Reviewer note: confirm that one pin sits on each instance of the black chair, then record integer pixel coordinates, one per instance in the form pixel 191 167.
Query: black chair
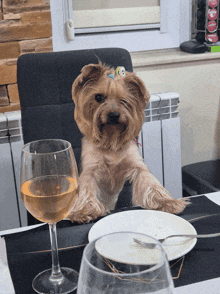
pixel 201 177
pixel 44 84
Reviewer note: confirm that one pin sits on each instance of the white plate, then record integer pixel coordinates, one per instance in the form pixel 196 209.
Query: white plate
pixel 157 224
pixel 110 246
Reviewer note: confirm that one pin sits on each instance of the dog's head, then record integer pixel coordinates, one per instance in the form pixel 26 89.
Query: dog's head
pixel 109 108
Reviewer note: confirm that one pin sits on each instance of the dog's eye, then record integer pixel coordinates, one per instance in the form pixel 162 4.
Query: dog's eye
pixel 99 98
pixel 124 101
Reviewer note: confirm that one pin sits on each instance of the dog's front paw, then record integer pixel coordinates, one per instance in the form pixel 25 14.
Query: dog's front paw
pixel 89 212
pixel 168 204
pixel 158 198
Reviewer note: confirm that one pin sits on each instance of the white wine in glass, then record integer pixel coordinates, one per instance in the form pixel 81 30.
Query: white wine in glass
pixel 49 185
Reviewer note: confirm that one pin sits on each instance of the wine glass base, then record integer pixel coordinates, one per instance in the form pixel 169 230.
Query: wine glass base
pixel 68 283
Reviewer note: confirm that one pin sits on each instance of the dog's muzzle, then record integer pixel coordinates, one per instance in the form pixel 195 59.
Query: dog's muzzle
pixel 113 118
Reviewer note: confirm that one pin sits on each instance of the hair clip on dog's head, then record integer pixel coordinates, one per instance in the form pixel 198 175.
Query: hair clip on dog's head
pixel 120 71
pixel 111 76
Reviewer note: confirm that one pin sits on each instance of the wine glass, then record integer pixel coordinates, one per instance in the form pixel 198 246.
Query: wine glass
pixel 116 264
pixel 49 185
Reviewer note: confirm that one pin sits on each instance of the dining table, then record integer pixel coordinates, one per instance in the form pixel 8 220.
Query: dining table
pixel 25 251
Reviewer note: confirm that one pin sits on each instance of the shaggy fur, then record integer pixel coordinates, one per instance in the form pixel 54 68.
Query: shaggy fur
pixel 110 113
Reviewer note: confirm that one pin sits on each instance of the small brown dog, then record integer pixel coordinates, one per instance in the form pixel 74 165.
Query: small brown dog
pixel 109 111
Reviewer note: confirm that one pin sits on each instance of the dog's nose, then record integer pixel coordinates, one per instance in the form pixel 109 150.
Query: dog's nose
pixel 113 118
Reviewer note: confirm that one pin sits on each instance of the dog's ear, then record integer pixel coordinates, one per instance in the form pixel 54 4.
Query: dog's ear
pixel 89 75
pixel 137 88
pixel 90 72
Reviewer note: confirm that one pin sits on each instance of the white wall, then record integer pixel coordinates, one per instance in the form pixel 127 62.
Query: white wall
pixel 198 84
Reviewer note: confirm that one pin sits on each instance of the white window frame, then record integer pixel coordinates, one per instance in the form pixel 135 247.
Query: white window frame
pixel 175 28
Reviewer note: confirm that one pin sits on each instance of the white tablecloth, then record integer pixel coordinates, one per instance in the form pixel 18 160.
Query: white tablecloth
pixel 6 286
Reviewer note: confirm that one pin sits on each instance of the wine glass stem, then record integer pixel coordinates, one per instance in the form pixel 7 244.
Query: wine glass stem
pixel 56 275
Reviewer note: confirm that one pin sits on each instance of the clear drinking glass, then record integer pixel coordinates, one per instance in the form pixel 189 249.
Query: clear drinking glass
pixel 115 264
pixel 49 185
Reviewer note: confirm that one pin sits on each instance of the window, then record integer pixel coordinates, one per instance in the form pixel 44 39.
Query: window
pixel 113 15
pixel 98 25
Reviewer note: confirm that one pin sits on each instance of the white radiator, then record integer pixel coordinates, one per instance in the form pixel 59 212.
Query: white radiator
pixel 160 138
pixel 12 211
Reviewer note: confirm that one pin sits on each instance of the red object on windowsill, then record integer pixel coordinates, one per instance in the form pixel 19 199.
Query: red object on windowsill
pixel 212 38
pixel 212 26
pixel 213 3
pixel 212 14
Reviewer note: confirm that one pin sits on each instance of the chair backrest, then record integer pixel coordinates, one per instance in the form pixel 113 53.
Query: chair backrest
pixel 45 82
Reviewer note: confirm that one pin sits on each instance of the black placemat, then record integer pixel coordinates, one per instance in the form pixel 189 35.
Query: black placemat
pixel 28 252
pixel 203 261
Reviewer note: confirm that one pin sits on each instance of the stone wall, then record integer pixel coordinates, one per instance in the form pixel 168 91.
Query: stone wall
pixel 25 27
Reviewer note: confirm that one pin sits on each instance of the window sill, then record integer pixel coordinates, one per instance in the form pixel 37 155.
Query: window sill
pixel 165 57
